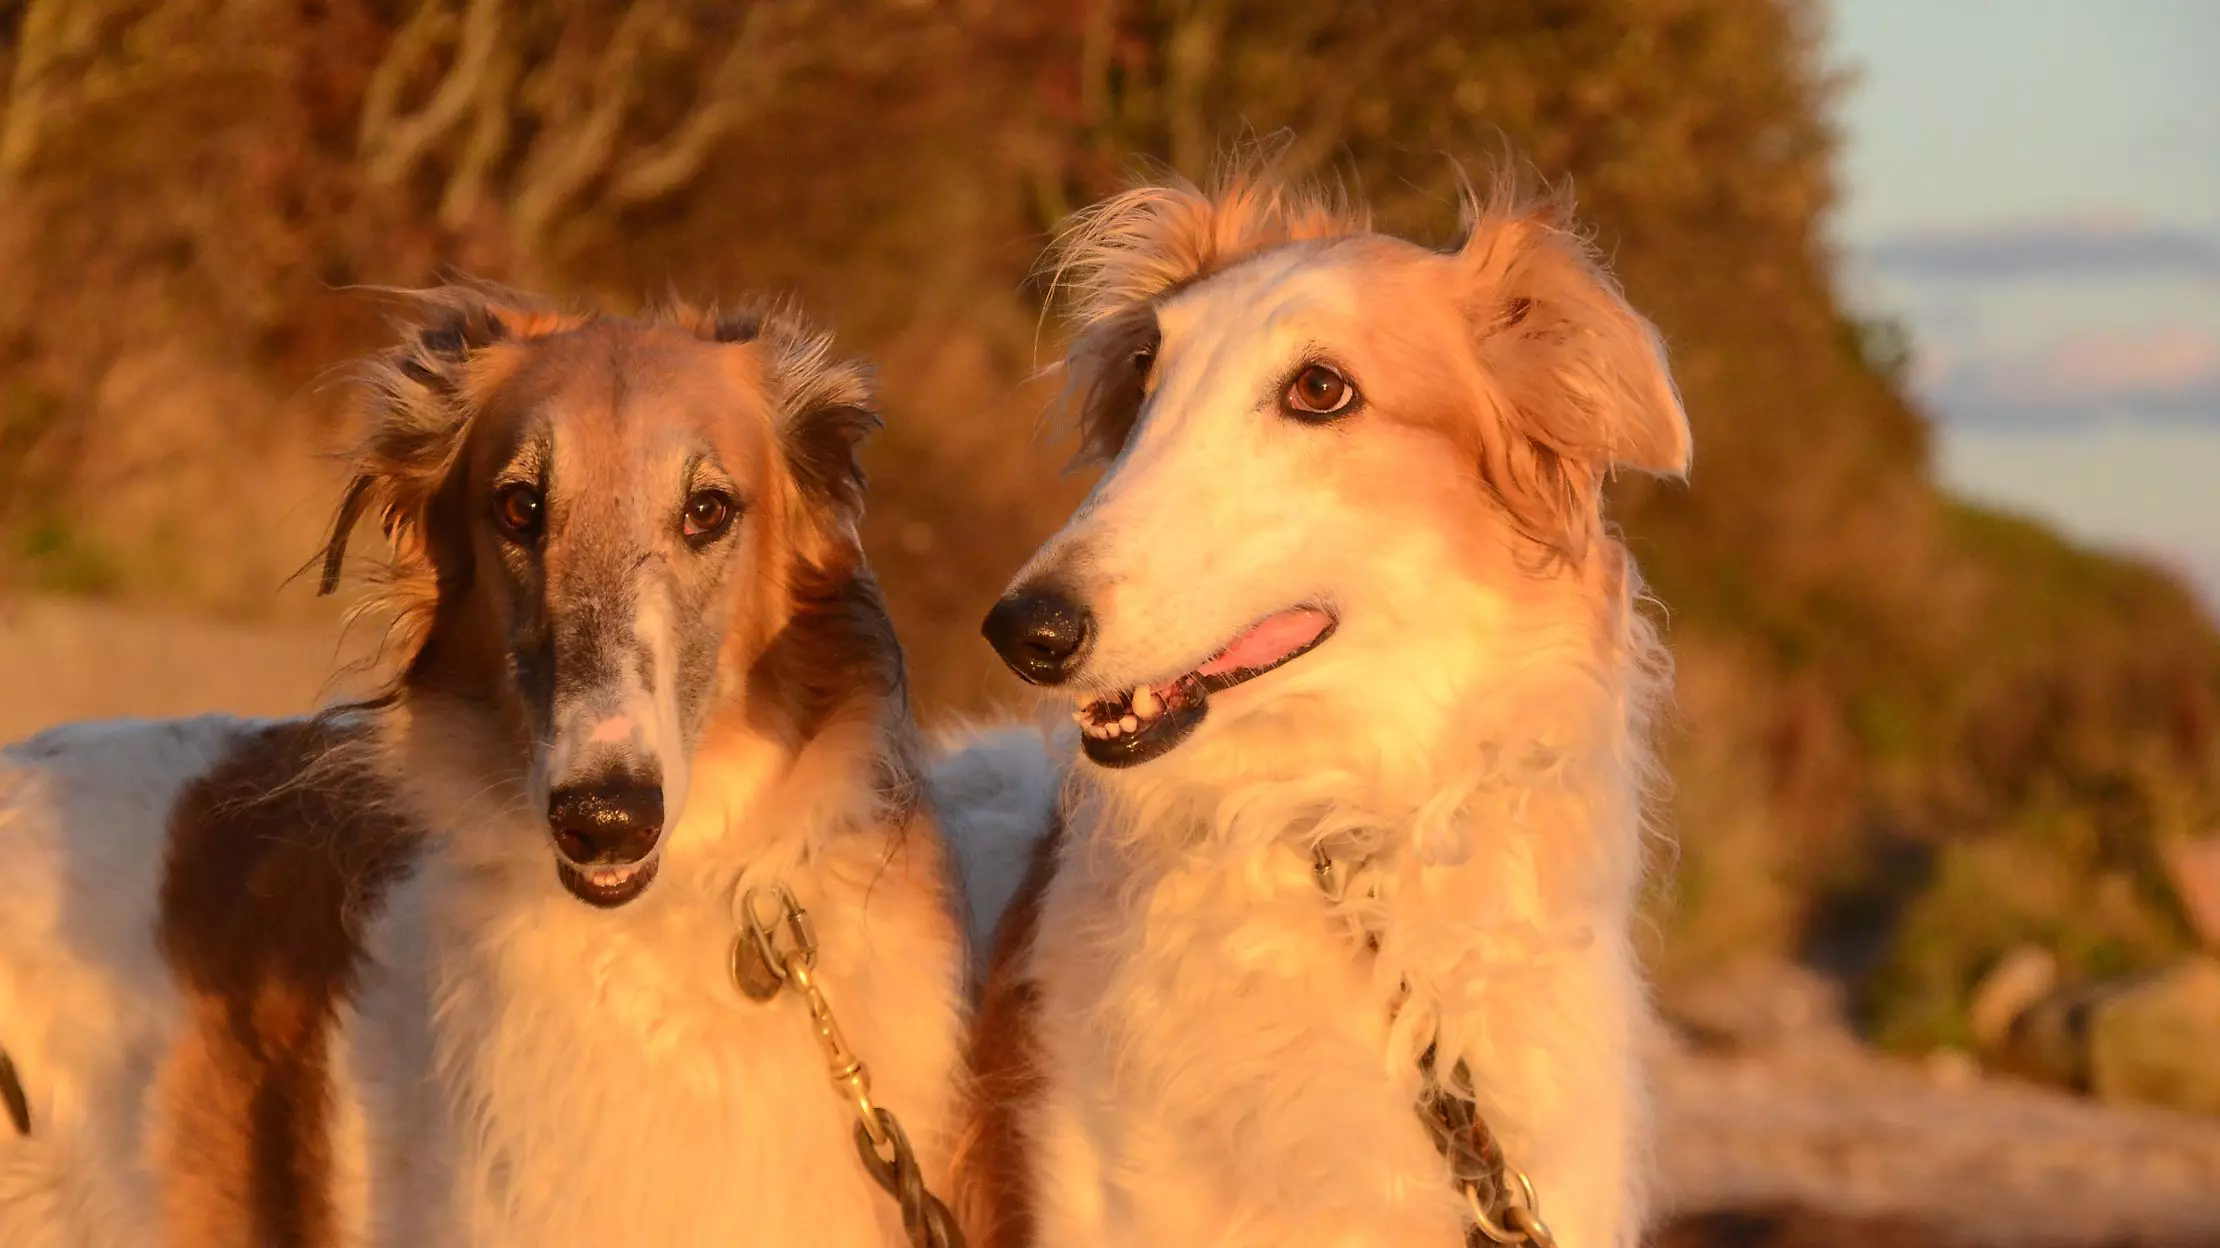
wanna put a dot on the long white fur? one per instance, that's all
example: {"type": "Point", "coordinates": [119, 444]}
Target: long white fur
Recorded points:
{"type": "Point", "coordinates": [83, 991]}
{"type": "Point", "coordinates": [516, 1068]}
{"type": "Point", "coordinates": [995, 796]}
{"type": "Point", "coordinates": [1215, 1035]}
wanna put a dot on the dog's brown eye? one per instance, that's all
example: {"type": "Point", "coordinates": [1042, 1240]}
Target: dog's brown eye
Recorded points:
{"type": "Point", "coordinates": [1319, 393]}
{"type": "Point", "coordinates": [708, 514]}
{"type": "Point", "coordinates": [520, 509]}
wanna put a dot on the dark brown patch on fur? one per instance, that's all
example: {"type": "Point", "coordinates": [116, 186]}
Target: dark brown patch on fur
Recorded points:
{"type": "Point", "coordinates": [994, 1191]}
{"type": "Point", "coordinates": [278, 859]}
{"type": "Point", "coordinates": [837, 648]}
{"type": "Point", "coordinates": [1109, 379]}
{"type": "Point", "coordinates": [745, 326]}
{"type": "Point", "coordinates": [11, 1093]}
{"type": "Point", "coordinates": [351, 507]}
{"type": "Point", "coordinates": [821, 453]}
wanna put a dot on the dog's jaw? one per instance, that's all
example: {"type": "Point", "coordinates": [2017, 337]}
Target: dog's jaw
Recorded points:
{"type": "Point", "coordinates": [1150, 720]}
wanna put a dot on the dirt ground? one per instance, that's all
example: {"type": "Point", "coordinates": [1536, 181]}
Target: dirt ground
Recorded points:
{"type": "Point", "coordinates": [68, 660]}
{"type": "Point", "coordinates": [1777, 1128]}
{"type": "Point", "coordinates": [1933, 1155]}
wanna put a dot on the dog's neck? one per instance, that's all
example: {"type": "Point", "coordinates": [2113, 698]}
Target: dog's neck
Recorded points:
{"type": "Point", "coordinates": [1442, 799]}
{"type": "Point", "coordinates": [754, 794]}
{"type": "Point", "coordinates": [1491, 835]}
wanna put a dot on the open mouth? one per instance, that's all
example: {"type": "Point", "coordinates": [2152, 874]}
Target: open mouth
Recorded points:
{"type": "Point", "coordinates": [607, 885]}
{"type": "Point", "coordinates": [1146, 721]}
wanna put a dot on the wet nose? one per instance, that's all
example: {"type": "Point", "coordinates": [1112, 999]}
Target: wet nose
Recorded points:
{"type": "Point", "coordinates": [1041, 633]}
{"type": "Point", "coordinates": [611, 822]}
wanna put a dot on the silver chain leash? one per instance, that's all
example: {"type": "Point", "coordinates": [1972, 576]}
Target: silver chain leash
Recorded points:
{"type": "Point", "coordinates": [760, 968]}
{"type": "Point", "coordinates": [1497, 1194]}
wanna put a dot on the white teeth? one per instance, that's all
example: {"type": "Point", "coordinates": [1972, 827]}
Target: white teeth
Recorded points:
{"type": "Point", "coordinates": [1133, 708]}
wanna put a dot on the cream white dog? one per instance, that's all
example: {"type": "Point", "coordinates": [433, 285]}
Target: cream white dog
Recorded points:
{"type": "Point", "coordinates": [1352, 817]}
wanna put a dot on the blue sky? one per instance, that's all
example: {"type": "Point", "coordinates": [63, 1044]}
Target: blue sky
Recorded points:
{"type": "Point", "coordinates": [2033, 186]}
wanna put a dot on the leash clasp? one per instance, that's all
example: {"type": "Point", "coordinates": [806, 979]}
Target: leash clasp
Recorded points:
{"type": "Point", "coordinates": [796, 964]}
{"type": "Point", "coordinates": [782, 950]}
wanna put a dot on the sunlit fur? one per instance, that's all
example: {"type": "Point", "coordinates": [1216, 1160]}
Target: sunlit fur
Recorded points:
{"type": "Point", "coordinates": [1215, 1037]}
{"type": "Point", "coordinates": [513, 1066]}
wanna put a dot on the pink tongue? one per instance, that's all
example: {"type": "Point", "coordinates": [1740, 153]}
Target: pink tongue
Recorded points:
{"type": "Point", "coordinates": [1269, 642]}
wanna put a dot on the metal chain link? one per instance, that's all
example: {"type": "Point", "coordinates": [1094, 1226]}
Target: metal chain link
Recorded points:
{"type": "Point", "coordinates": [760, 969]}
{"type": "Point", "coordinates": [1498, 1194]}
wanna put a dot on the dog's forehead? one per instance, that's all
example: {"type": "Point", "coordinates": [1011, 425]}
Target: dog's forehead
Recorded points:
{"type": "Point", "coordinates": [617, 386]}
{"type": "Point", "coordinates": [1297, 286]}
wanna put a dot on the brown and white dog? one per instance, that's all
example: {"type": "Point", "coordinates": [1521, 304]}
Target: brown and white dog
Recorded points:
{"type": "Point", "coordinates": [451, 966]}
{"type": "Point", "coordinates": [1362, 691]}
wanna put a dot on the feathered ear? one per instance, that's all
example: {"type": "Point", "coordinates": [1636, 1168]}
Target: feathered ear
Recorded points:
{"type": "Point", "coordinates": [420, 395]}
{"type": "Point", "coordinates": [1106, 375]}
{"type": "Point", "coordinates": [1581, 375]}
{"type": "Point", "coordinates": [826, 407]}
{"type": "Point", "coordinates": [351, 507]}
{"type": "Point", "coordinates": [822, 445]}
{"type": "Point", "coordinates": [1114, 262]}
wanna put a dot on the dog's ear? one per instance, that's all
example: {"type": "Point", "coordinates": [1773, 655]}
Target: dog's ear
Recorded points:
{"type": "Point", "coordinates": [825, 406]}
{"type": "Point", "coordinates": [351, 506]}
{"type": "Point", "coordinates": [1106, 379]}
{"type": "Point", "coordinates": [1578, 374]}
{"type": "Point", "coordinates": [822, 444]}
{"type": "Point", "coordinates": [420, 396]}
{"type": "Point", "coordinates": [1114, 262]}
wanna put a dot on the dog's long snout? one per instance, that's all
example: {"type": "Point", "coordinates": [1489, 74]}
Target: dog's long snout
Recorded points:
{"type": "Point", "coordinates": [1040, 632]}
{"type": "Point", "coordinates": [611, 822]}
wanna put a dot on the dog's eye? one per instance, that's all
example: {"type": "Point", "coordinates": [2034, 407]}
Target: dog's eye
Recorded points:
{"type": "Point", "coordinates": [1319, 393]}
{"type": "Point", "coordinates": [519, 510]}
{"type": "Point", "coordinates": [708, 514]}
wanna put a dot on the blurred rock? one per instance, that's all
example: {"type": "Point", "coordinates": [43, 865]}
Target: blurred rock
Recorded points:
{"type": "Point", "coordinates": [2024, 976]}
{"type": "Point", "coordinates": [2049, 1041]}
{"type": "Point", "coordinates": [1761, 1004]}
{"type": "Point", "coordinates": [2158, 1041]}
{"type": "Point", "coordinates": [1813, 1148]}
{"type": "Point", "coordinates": [2193, 871]}
{"type": "Point", "coordinates": [1952, 1069]}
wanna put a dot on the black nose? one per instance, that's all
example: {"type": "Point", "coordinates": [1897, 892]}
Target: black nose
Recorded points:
{"type": "Point", "coordinates": [1040, 633]}
{"type": "Point", "coordinates": [608, 823]}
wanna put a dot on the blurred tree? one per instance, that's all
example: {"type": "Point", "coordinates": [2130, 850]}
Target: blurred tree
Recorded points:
{"type": "Point", "coordinates": [566, 115]}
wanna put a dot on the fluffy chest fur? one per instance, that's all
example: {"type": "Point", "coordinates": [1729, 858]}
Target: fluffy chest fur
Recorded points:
{"type": "Point", "coordinates": [592, 1087]}
{"type": "Point", "coordinates": [1219, 1067]}
{"type": "Point", "coordinates": [1224, 1053]}
{"type": "Point", "coordinates": [501, 1066]}
{"type": "Point", "coordinates": [592, 1078]}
